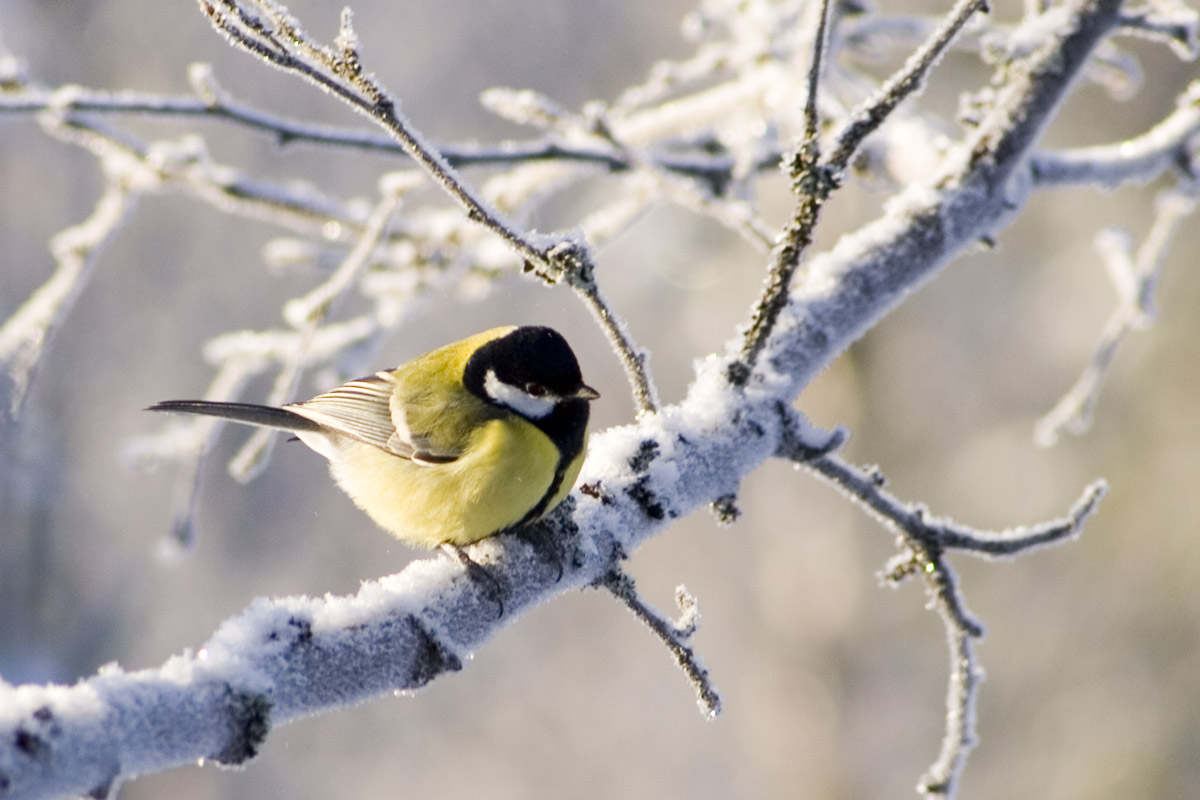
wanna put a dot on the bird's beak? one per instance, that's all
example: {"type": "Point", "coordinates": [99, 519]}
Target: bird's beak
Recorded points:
{"type": "Point", "coordinates": [586, 392]}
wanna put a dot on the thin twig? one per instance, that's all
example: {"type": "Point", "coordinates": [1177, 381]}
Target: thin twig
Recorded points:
{"type": "Point", "coordinates": [307, 314]}
{"type": "Point", "coordinates": [941, 780]}
{"type": "Point", "coordinates": [1169, 144]}
{"type": "Point", "coordinates": [278, 38]}
{"type": "Point", "coordinates": [871, 114]}
{"type": "Point", "coordinates": [635, 359]}
{"type": "Point", "coordinates": [674, 636]}
{"type": "Point", "coordinates": [713, 169]}
{"type": "Point", "coordinates": [738, 216]}
{"type": "Point", "coordinates": [812, 115]}
{"type": "Point", "coordinates": [935, 534]}
{"type": "Point", "coordinates": [812, 184]}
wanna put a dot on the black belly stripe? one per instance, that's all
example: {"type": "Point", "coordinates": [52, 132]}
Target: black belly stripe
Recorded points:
{"type": "Point", "coordinates": [566, 426]}
{"type": "Point", "coordinates": [540, 509]}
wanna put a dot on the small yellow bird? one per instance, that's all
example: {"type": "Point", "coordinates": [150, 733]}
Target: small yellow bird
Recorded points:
{"type": "Point", "coordinates": [464, 442]}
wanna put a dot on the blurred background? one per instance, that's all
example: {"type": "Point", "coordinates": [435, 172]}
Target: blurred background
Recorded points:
{"type": "Point", "coordinates": [833, 686]}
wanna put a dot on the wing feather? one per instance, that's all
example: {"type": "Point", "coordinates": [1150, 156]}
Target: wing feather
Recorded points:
{"type": "Point", "coordinates": [366, 410]}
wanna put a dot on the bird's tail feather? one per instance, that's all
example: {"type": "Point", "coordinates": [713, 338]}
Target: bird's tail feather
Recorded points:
{"type": "Point", "coordinates": [247, 413]}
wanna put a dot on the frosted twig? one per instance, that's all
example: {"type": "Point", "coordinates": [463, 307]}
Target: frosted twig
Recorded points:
{"type": "Point", "coordinates": [134, 167]}
{"type": "Point", "coordinates": [736, 215]}
{"type": "Point", "coordinates": [871, 114]}
{"type": "Point", "coordinates": [1135, 278]}
{"type": "Point", "coordinates": [962, 692]}
{"type": "Point", "coordinates": [187, 164]}
{"type": "Point", "coordinates": [187, 442]}
{"type": "Point", "coordinates": [240, 356]}
{"type": "Point", "coordinates": [935, 534]}
{"type": "Point", "coordinates": [924, 541]}
{"type": "Point", "coordinates": [277, 37]}
{"type": "Point", "coordinates": [812, 116]}
{"type": "Point", "coordinates": [674, 635]}
{"type": "Point", "coordinates": [1169, 21]}
{"type": "Point", "coordinates": [812, 184]}
{"type": "Point", "coordinates": [634, 358]}
{"type": "Point", "coordinates": [815, 177]}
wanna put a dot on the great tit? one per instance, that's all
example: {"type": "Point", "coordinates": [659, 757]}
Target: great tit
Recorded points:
{"type": "Point", "coordinates": [454, 446]}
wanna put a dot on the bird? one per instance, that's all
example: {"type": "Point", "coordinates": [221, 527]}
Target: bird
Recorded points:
{"type": "Point", "coordinates": [469, 440]}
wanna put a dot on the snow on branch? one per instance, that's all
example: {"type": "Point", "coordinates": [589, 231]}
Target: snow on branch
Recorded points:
{"type": "Point", "coordinates": [215, 103]}
{"type": "Point", "coordinates": [814, 178]}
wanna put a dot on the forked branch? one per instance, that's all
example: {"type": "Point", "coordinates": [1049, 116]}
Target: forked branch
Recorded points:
{"type": "Point", "coordinates": [924, 542]}
{"type": "Point", "coordinates": [815, 177]}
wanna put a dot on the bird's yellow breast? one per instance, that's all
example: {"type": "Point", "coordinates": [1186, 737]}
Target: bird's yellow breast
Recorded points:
{"type": "Point", "coordinates": [506, 469]}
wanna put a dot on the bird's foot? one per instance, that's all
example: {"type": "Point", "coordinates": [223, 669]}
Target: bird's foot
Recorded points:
{"type": "Point", "coordinates": [483, 579]}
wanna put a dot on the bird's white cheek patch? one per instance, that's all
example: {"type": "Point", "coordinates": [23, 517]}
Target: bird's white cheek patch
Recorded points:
{"type": "Point", "coordinates": [517, 399]}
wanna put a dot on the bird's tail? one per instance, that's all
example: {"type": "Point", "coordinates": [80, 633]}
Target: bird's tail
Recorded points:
{"type": "Point", "coordinates": [247, 413]}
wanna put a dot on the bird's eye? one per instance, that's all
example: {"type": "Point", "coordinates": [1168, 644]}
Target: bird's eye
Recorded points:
{"type": "Point", "coordinates": [535, 389]}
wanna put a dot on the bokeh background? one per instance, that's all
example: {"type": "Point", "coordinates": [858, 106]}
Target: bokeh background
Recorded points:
{"type": "Point", "coordinates": [833, 685]}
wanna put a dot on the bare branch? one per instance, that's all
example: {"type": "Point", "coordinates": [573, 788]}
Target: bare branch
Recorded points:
{"type": "Point", "coordinates": [911, 77]}
{"type": "Point", "coordinates": [934, 534]}
{"type": "Point", "coordinates": [278, 38]}
{"type": "Point", "coordinates": [1169, 21]}
{"type": "Point", "coordinates": [738, 216]}
{"type": "Point", "coordinates": [307, 314]}
{"type": "Point", "coordinates": [941, 780]}
{"type": "Point", "coordinates": [714, 170]}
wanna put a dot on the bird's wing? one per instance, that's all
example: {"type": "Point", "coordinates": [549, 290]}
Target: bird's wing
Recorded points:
{"type": "Point", "coordinates": [366, 410]}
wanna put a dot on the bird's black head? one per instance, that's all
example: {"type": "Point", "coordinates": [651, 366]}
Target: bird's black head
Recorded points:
{"type": "Point", "coordinates": [529, 370]}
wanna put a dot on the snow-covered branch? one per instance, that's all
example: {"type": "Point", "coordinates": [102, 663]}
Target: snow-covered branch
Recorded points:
{"type": "Point", "coordinates": [1168, 145]}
